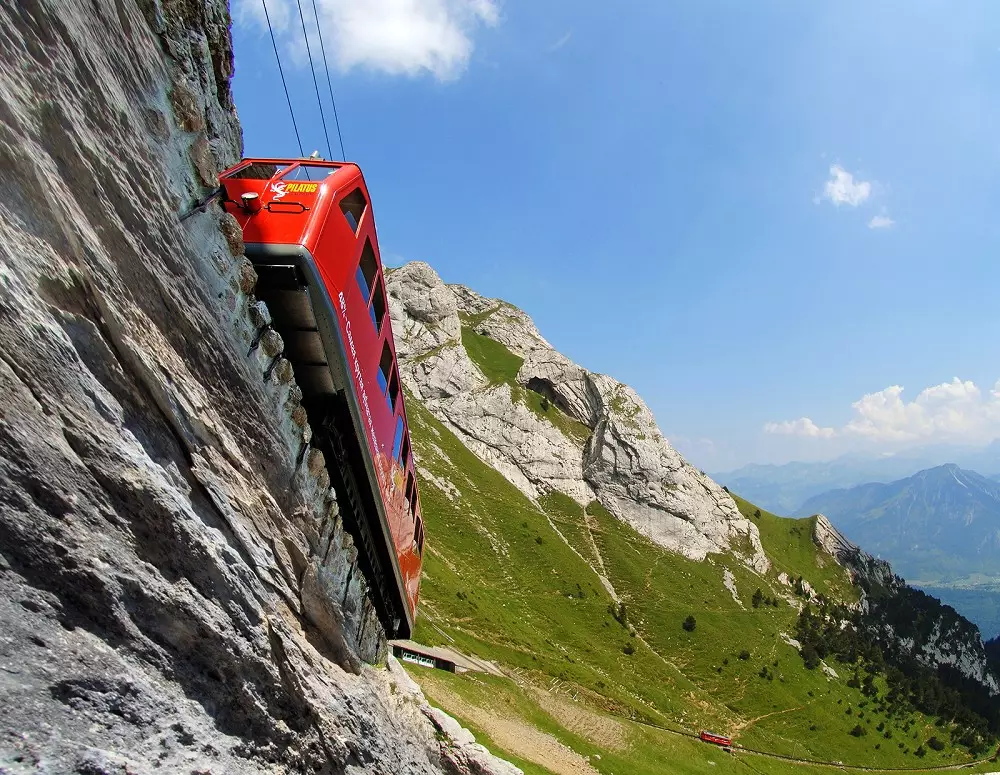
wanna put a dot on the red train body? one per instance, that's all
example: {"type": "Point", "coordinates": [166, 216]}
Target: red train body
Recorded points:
{"type": "Point", "coordinates": [711, 737]}
{"type": "Point", "coordinates": [309, 230]}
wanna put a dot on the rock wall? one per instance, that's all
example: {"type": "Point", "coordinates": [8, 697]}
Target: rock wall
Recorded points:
{"type": "Point", "coordinates": [176, 588]}
{"type": "Point", "coordinates": [620, 458]}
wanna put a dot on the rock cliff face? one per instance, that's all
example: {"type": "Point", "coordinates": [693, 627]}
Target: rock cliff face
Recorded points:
{"type": "Point", "coordinates": [907, 620]}
{"type": "Point", "coordinates": [176, 588]}
{"type": "Point", "coordinates": [553, 425]}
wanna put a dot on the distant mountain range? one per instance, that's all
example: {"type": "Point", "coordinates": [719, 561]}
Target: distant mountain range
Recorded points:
{"type": "Point", "coordinates": [784, 489]}
{"type": "Point", "coordinates": [940, 529]}
{"type": "Point", "coordinates": [939, 525]}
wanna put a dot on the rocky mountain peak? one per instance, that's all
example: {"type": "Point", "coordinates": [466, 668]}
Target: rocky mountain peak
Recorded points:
{"type": "Point", "coordinates": [483, 369]}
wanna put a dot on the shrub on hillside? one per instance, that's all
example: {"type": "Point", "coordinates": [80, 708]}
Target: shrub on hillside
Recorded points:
{"type": "Point", "coordinates": [921, 751]}
{"type": "Point", "coordinates": [810, 656]}
{"type": "Point", "coordinates": [690, 623]}
{"type": "Point", "coordinates": [628, 649]}
{"type": "Point", "coordinates": [744, 655]}
{"type": "Point", "coordinates": [936, 744]}
{"type": "Point", "coordinates": [858, 730]}
{"type": "Point", "coordinates": [758, 598]}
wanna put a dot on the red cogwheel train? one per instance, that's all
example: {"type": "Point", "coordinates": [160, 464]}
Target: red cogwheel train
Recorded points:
{"type": "Point", "coordinates": [310, 232]}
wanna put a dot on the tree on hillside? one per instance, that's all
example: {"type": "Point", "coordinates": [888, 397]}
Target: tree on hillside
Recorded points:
{"type": "Point", "coordinates": [758, 598]}
{"type": "Point", "coordinates": [690, 623]}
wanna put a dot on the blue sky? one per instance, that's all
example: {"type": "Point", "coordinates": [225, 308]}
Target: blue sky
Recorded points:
{"type": "Point", "coordinates": [766, 217]}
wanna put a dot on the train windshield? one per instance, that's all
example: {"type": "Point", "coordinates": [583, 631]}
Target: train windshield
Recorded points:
{"type": "Point", "coordinates": [313, 172]}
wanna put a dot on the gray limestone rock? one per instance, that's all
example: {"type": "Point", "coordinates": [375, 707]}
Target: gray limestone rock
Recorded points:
{"type": "Point", "coordinates": [177, 592]}
{"type": "Point", "coordinates": [618, 455]}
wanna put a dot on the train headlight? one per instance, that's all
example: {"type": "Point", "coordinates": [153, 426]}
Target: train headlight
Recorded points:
{"type": "Point", "coordinates": [250, 202]}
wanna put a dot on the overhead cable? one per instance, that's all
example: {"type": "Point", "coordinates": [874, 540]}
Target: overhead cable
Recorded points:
{"type": "Point", "coordinates": [312, 69]}
{"type": "Point", "coordinates": [326, 67]}
{"type": "Point", "coordinates": [282, 74]}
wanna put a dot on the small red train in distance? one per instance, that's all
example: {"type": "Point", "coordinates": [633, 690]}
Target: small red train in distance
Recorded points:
{"type": "Point", "coordinates": [309, 230]}
{"type": "Point", "coordinates": [711, 737]}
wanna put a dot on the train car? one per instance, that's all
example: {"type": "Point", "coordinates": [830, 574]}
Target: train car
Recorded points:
{"type": "Point", "coordinates": [310, 232]}
{"type": "Point", "coordinates": [711, 737]}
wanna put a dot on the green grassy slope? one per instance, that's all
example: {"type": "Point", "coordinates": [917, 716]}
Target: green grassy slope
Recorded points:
{"type": "Point", "coordinates": [519, 583]}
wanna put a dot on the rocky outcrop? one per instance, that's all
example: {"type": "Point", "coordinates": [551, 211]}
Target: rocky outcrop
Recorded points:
{"type": "Point", "coordinates": [177, 591]}
{"type": "Point", "coordinates": [831, 540]}
{"type": "Point", "coordinates": [594, 439]}
{"type": "Point", "coordinates": [906, 620]}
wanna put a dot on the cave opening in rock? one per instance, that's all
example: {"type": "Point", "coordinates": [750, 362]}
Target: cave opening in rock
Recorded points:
{"type": "Point", "coordinates": [545, 389]}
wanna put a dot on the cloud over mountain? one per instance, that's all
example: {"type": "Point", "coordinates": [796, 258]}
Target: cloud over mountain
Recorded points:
{"type": "Point", "coordinates": [956, 411]}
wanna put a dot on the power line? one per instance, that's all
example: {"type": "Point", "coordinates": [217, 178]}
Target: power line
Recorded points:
{"type": "Point", "coordinates": [282, 74]}
{"type": "Point", "coordinates": [326, 66]}
{"type": "Point", "coordinates": [312, 69]}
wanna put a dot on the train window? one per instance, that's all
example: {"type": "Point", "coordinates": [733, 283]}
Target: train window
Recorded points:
{"type": "Point", "coordinates": [367, 269]}
{"type": "Point", "coordinates": [397, 444]}
{"type": "Point", "coordinates": [409, 489]}
{"type": "Point", "coordinates": [258, 171]}
{"type": "Point", "coordinates": [405, 454]}
{"type": "Point", "coordinates": [418, 534]}
{"type": "Point", "coordinates": [313, 172]}
{"type": "Point", "coordinates": [378, 306]}
{"type": "Point", "coordinates": [390, 396]}
{"type": "Point", "coordinates": [353, 206]}
{"type": "Point", "coordinates": [385, 369]}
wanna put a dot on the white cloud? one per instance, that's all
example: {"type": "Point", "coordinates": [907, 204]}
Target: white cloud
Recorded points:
{"type": "Point", "coordinates": [952, 412]}
{"type": "Point", "coordinates": [251, 12]}
{"type": "Point", "coordinates": [881, 222]}
{"type": "Point", "coordinates": [561, 42]}
{"type": "Point", "coordinates": [801, 427]}
{"type": "Point", "coordinates": [398, 37]}
{"type": "Point", "coordinates": [841, 188]}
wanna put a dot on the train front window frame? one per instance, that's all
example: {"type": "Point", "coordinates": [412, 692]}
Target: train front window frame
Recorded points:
{"type": "Point", "coordinates": [258, 170]}
{"type": "Point", "coordinates": [310, 172]}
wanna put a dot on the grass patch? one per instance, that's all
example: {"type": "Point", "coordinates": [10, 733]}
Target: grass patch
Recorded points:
{"type": "Point", "coordinates": [498, 363]}
{"type": "Point", "coordinates": [789, 545]}
{"type": "Point", "coordinates": [501, 583]}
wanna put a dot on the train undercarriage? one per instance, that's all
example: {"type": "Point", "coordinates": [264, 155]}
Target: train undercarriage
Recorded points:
{"type": "Point", "coordinates": [302, 313]}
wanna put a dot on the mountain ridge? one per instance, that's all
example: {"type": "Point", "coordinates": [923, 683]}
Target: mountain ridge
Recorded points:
{"type": "Point", "coordinates": [786, 487]}
{"type": "Point", "coordinates": [535, 568]}
{"type": "Point", "coordinates": [547, 424]}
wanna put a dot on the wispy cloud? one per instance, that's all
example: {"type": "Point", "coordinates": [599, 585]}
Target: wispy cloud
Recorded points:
{"type": "Point", "coordinates": [561, 42]}
{"type": "Point", "coordinates": [956, 412]}
{"type": "Point", "coordinates": [843, 189]}
{"type": "Point", "coordinates": [801, 427]}
{"type": "Point", "coordinates": [881, 222]}
{"type": "Point", "coordinates": [397, 37]}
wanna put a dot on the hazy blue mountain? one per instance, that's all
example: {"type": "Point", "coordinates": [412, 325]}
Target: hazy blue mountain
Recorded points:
{"type": "Point", "coordinates": [939, 525]}
{"type": "Point", "coordinates": [783, 489]}
{"type": "Point", "coordinates": [940, 529]}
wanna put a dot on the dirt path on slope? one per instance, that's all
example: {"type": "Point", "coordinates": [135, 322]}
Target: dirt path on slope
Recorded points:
{"type": "Point", "coordinates": [601, 730]}
{"type": "Point", "coordinates": [513, 735]}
